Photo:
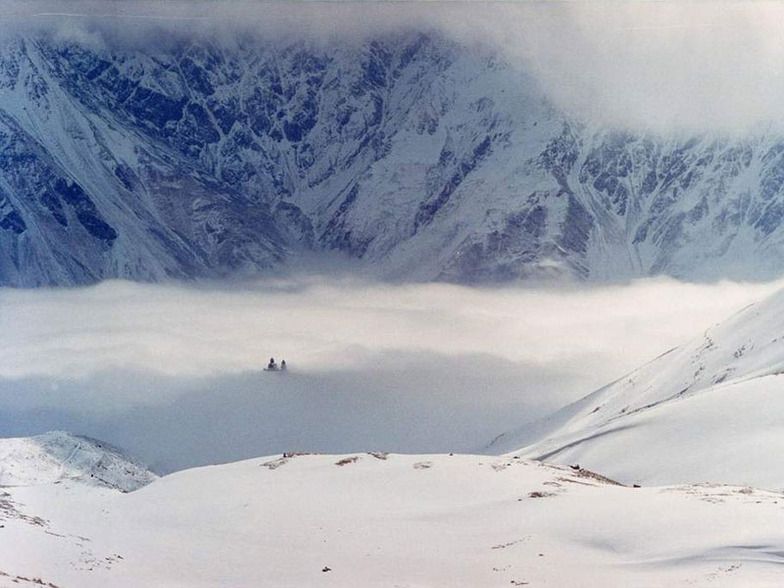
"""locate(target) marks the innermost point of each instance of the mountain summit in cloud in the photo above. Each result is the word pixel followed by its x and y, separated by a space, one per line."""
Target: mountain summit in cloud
pixel 179 150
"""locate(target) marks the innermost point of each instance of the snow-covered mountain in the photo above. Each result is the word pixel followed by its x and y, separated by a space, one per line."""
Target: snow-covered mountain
pixel 384 520
pixel 418 156
pixel 58 456
pixel 710 408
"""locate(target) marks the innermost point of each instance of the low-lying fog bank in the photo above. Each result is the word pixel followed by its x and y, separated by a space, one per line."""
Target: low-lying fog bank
pixel 174 373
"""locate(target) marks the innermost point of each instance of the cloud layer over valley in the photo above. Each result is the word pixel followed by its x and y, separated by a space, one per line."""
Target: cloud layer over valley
pixel 173 373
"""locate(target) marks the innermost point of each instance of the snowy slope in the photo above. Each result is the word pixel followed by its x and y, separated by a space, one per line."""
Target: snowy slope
pixel 57 456
pixel 390 520
pixel 711 409
pixel 414 155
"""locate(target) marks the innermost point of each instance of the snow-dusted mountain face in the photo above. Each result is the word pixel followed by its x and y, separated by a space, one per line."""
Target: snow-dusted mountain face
pixel 708 410
pixel 421 157
pixel 58 456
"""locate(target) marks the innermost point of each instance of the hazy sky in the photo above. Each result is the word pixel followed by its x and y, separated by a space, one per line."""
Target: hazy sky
pixel 173 374
pixel 663 66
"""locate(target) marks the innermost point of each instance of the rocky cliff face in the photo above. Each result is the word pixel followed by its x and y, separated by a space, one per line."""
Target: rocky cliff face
pixel 418 157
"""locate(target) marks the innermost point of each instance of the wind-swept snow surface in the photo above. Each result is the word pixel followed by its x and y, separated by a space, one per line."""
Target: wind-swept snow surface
pixel 384 519
pixel 709 410
pixel 390 520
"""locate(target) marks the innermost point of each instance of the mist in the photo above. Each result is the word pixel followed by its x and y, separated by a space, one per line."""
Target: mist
pixel 173 374
pixel 661 67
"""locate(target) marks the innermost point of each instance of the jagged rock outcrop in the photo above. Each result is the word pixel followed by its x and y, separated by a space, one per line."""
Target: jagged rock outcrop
pixel 417 156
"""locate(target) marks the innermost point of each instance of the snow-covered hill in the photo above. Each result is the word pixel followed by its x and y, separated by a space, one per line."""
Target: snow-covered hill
pixel 389 520
pixel 711 409
pixel 418 156
pixel 57 457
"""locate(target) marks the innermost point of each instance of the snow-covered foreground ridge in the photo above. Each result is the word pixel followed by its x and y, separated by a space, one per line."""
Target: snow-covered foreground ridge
pixel 389 520
pixel 59 456
pixel 710 410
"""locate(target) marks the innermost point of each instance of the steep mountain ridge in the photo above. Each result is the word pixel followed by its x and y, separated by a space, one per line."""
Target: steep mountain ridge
pixel 709 408
pixel 421 157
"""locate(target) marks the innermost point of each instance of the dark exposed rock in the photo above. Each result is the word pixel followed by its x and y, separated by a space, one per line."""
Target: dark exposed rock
pixel 203 160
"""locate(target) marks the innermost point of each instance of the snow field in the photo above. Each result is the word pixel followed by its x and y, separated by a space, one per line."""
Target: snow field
pixel 394 520
pixel 707 411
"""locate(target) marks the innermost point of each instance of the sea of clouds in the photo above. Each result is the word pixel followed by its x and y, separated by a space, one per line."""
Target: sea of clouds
pixel 174 374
